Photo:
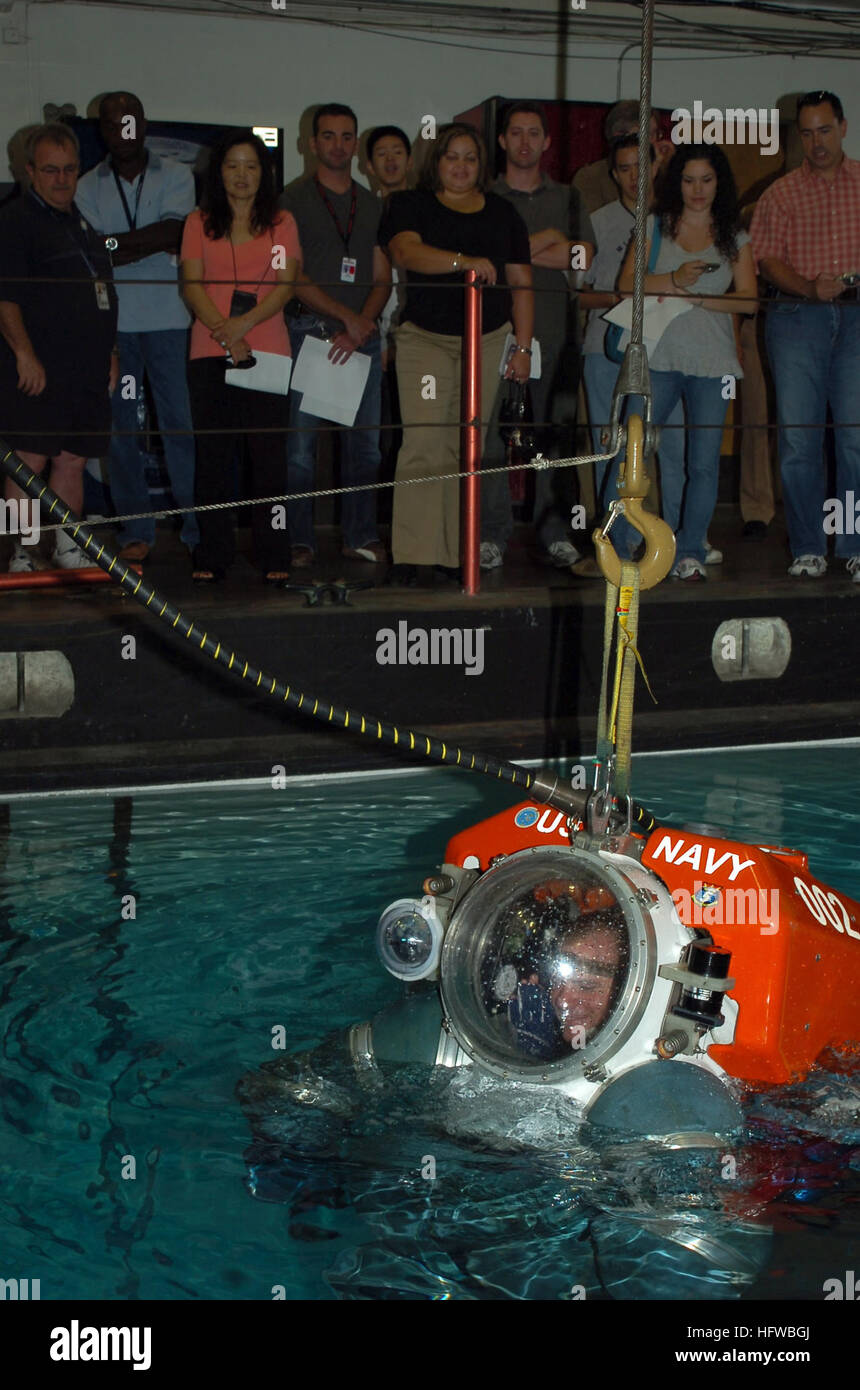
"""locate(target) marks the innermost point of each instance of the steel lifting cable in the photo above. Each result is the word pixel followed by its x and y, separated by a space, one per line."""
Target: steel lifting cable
pixel 615 714
pixel 644 178
pixel 627 595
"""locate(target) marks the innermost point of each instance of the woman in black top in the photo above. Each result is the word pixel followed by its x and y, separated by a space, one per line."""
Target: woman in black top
pixel 437 232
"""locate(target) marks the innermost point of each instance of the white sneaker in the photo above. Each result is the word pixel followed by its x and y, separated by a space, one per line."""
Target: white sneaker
pixel 22 561
pixel 712 555
pixel 688 569
pixel 491 556
pixel 811 566
pixel 853 568
pixel 563 554
pixel 71 557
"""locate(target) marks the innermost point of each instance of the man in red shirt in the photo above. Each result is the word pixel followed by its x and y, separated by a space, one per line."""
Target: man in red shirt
pixel 806 241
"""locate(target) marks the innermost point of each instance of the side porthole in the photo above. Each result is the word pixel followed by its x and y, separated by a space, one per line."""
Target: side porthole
pixel 748 649
pixel 35 685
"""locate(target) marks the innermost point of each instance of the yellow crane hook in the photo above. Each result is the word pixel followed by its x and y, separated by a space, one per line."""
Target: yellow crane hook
pixel 659 539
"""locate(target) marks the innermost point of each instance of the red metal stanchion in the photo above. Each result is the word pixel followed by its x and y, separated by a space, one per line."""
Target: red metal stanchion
pixel 470 451
pixel 59 579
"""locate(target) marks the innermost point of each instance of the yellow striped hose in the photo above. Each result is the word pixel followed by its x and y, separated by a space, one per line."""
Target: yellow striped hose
pixel 543 786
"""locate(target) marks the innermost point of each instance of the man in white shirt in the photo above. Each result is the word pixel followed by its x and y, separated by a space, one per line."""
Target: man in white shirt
pixel 138 202
pixel 389 163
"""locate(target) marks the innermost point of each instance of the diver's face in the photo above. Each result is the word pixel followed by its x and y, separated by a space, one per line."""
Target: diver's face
pixel 582 982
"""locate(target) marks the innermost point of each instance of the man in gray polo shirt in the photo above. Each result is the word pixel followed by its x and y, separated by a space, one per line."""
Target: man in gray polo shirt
pixel 138 203
pixel 345 284
pixel 560 237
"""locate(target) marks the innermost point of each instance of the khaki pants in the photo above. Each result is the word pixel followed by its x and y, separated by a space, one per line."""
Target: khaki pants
pixel 425 527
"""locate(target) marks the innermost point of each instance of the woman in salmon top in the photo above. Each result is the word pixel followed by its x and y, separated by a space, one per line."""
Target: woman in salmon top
pixel 239 257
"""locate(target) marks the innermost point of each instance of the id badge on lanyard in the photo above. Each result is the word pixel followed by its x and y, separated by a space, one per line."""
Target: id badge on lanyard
pixel 102 296
pixel 348 264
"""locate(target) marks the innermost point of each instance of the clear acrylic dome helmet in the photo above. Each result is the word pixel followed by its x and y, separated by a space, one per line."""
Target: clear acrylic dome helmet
pixel 550 967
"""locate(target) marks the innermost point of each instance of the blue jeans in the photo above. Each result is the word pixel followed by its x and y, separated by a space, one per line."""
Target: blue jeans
pixel 705 411
pixel 163 356
pixel 814 352
pixel 359 453
pixel 600 376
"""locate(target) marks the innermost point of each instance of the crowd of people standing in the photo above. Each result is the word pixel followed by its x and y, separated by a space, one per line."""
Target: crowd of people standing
pixel 90 303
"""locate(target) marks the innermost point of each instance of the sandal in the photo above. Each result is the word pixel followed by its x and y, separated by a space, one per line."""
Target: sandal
pixel 276 577
pixel 207 576
pixel 136 551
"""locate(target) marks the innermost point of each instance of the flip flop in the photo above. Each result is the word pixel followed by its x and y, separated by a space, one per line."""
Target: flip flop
pixel 136 551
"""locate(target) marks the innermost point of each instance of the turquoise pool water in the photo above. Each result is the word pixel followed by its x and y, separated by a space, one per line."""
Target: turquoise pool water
pixel 124 1038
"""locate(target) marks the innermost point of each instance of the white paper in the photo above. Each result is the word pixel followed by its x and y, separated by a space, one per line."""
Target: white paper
pixel 270 373
pixel 331 390
pixel 510 342
pixel 336 411
pixel 659 313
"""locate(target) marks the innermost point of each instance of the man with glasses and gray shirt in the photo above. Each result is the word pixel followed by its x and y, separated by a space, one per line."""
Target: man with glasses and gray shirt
pixel 58 314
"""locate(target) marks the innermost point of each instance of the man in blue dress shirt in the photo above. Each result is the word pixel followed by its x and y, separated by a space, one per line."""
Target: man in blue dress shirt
pixel 138 202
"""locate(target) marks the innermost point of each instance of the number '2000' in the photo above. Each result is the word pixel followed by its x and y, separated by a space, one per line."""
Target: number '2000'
pixel 826 908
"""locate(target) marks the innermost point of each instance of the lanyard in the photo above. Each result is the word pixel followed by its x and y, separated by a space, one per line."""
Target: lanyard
pixel 266 267
pixel 70 236
pixel 130 219
pixel 344 236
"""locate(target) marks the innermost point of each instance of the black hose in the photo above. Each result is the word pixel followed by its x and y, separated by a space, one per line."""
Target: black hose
pixel 545 787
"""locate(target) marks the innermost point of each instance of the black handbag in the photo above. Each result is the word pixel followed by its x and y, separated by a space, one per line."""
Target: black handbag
pixel 516 422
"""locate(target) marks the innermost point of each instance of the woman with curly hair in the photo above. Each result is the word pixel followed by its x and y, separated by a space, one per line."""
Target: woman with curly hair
pixel 239 256
pixel 704 254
